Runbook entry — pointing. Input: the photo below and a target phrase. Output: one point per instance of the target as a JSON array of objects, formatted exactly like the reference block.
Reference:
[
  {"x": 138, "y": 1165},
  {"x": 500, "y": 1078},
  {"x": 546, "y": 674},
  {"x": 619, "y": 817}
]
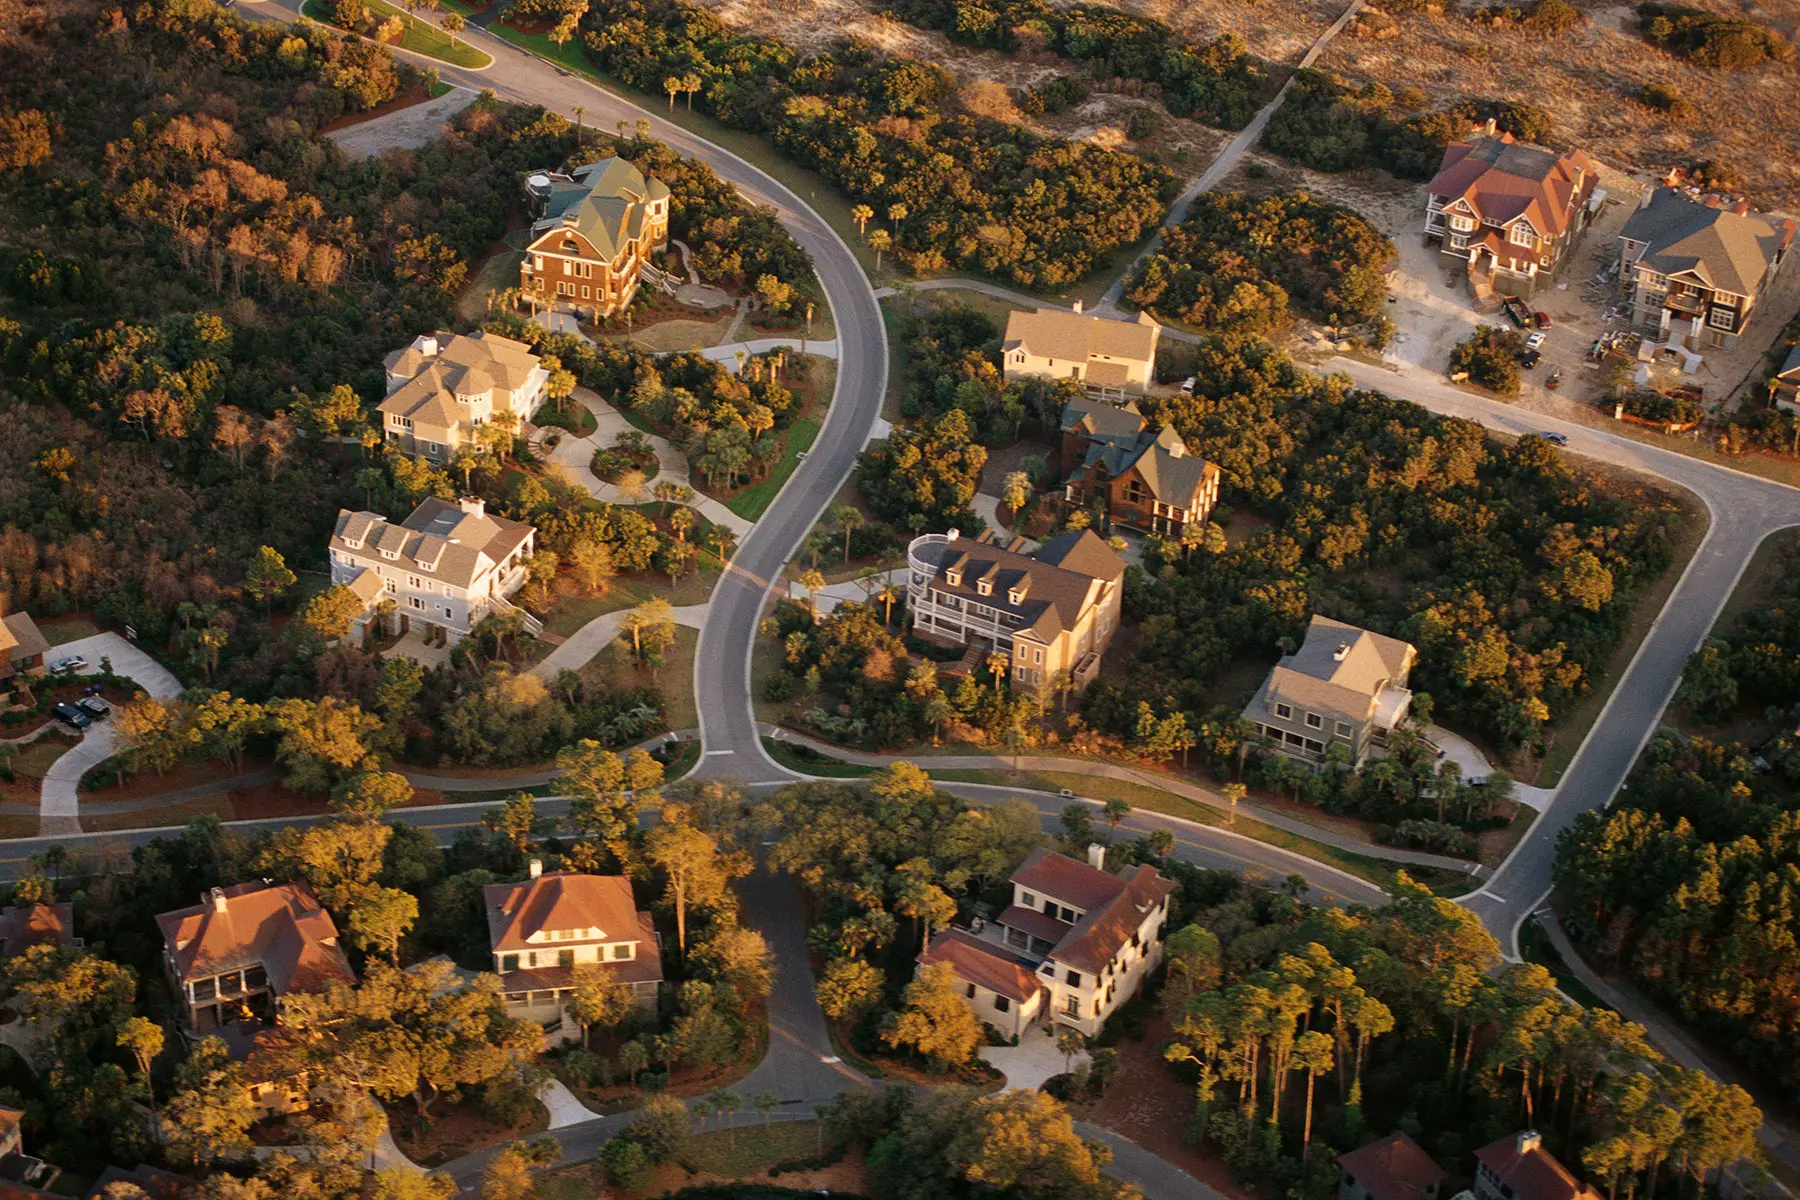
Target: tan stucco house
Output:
[
  {"x": 1344, "y": 687},
  {"x": 444, "y": 387},
  {"x": 1112, "y": 358}
]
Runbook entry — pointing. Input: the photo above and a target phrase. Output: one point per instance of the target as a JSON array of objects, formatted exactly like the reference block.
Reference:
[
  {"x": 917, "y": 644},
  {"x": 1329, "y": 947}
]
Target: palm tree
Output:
[
  {"x": 879, "y": 241},
  {"x": 812, "y": 583},
  {"x": 765, "y": 1103},
  {"x": 671, "y": 85},
  {"x": 1313, "y": 1053},
  {"x": 887, "y": 594},
  {"x": 452, "y": 24},
  {"x": 997, "y": 664},
  {"x": 862, "y": 214},
  {"x": 1069, "y": 1043},
  {"x": 897, "y": 214},
  {"x": 1234, "y": 792},
  {"x": 849, "y": 519},
  {"x": 580, "y": 111},
  {"x": 690, "y": 84}
]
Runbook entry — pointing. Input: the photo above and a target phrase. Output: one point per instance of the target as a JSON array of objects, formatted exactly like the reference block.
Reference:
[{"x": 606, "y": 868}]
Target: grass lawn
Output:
[
  {"x": 34, "y": 759},
  {"x": 765, "y": 664},
  {"x": 753, "y": 1147},
  {"x": 571, "y": 612},
  {"x": 685, "y": 761},
  {"x": 808, "y": 761},
  {"x": 69, "y": 629},
  {"x": 674, "y": 679},
  {"x": 153, "y": 818},
  {"x": 417, "y": 36},
  {"x": 18, "y": 827},
  {"x": 497, "y": 272},
  {"x": 753, "y": 500}
]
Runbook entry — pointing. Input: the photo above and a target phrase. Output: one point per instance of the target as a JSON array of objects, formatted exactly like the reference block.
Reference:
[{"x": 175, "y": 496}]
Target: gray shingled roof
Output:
[
  {"x": 1058, "y": 577},
  {"x": 1727, "y": 250}
]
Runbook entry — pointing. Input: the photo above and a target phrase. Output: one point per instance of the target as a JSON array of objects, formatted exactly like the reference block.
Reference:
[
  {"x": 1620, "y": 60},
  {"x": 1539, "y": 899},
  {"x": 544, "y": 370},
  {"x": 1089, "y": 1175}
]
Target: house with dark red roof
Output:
[
  {"x": 1394, "y": 1168},
  {"x": 1510, "y": 210},
  {"x": 1086, "y": 937},
  {"x": 541, "y": 929},
  {"x": 26, "y": 925},
  {"x": 236, "y": 953},
  {"x": 1519, "y": 1168}
]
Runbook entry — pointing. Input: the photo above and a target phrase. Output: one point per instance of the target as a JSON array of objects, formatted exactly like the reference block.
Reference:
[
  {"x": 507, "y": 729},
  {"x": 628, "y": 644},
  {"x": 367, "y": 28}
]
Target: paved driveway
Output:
[{"x": 59, "y": 807}]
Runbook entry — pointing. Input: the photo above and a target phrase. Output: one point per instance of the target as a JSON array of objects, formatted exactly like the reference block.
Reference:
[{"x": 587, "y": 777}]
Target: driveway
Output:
[
  {"x": 406, "y": 129},
  {"x": 59, "y": 805}
]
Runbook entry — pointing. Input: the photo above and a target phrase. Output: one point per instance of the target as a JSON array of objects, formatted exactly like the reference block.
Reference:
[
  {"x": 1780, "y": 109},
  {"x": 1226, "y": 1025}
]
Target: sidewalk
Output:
[{"x": 598, "y": 634}]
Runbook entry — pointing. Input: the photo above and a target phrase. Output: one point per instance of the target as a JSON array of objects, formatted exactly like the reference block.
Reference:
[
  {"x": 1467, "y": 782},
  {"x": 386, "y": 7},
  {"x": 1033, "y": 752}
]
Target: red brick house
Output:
[
  {"x": 595, "y": 232},
  {"x": 1147, "y": 480}
]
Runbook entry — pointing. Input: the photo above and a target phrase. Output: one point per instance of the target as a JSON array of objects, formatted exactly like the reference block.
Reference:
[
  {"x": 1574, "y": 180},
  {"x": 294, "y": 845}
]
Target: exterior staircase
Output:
[{"x": 506, "y": 608}]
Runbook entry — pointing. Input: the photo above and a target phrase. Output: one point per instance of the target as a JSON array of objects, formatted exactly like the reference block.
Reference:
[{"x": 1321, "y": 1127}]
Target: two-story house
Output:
[
  {"x": 22, "y": 647},
  {"x": 1344, "y": 687},
  {"x": 236, "y": 953},
  {"x": 444, "y": 387},
  {"x": 1086, "y": 937},
  {"x": 595, "y": 231},
  {"x": 1139, "y": 477},
  {"x": 1393, "y": 1168},
  {"x": 1519, "y": 1168},
  {"x": 1694, "y": 266},
  {"x": 1112, "y": 358},
  {"x": 540, "y": 930},
  {"x": 439, "y": 572},
  {"x": 1784, "y": 385},
  {"x": 1510, "y": 210},
  {"x": 1053, "y": 610}
]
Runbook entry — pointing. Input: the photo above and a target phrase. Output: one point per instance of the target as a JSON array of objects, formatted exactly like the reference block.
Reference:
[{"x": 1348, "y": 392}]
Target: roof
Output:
[
  {"x": 1724, "y": 248},
  {"x": 561, "y": 900},
  {"x": 454, "y": 543},
  {"x": 1532, "y": 1173},
  {"x": 983, "y": 964},
  {"x": 1097, "y": 938},
  {"x": 1062, "y": 878},
  {"x": 10, "y": 1118},
  {"x": 1113, "y": 906},
  {"x": 282, "y": 926},
  {"x": 1315, "y": 677},
  {"x": 477, "y": 361},
  {"x": 1061, "y": 580},
  {"x": 1120, "y": 439},
  {"x": 366, "y": 586},
  {"x": 603, "y": 201},
  {"x": 1791, "y": 363},
  {"x": 1098, "y": 419},
  {"x": 1503, "y": 180},
  {"x": 1029, "y": 920},
  {"x": 154, "y": 1181},
  {"x": 1077, "y": 337},
  {"x": 19, "y": 637},
  {"x": 28, "y": 925},
  {"x": 1394, "y": 1168}
]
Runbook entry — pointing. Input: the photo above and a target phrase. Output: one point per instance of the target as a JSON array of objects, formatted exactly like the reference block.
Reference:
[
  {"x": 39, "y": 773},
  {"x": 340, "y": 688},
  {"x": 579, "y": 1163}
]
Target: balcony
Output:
[{"x": 1691, "y": 303}]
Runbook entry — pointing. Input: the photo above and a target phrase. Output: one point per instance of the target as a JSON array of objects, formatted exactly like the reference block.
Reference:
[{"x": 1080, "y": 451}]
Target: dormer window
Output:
[
  {"x": 953, "y": 578},
  {"x": 353, "y": 545},
  {"x": 1015, "y": 596},
  {"x": 984, "y": 588},
  {"x": 389, "y": 555}
]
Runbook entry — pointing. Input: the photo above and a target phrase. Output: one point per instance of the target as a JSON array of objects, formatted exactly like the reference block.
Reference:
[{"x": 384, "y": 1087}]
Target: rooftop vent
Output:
[{"x": 1342, "y": 652}]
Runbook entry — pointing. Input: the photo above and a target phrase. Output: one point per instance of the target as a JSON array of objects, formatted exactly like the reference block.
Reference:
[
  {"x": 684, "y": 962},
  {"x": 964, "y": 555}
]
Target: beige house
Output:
[
  {"x": 1087, "y": 937},
  {"x": 22, "y": 647},
  {"x": 1113, "y": 358},
  {"x": 1053, "y": 610},
  {"x": 439, "y": 572},
  {"x": 596, "y": 230},
  {"x": 542, "y": 929},
  {"x": 444, "y": 387},
  {"x": 1344, "y": 687},
  {"x": 1695, "y": 265},
  {"x": 233, "y": 956}
]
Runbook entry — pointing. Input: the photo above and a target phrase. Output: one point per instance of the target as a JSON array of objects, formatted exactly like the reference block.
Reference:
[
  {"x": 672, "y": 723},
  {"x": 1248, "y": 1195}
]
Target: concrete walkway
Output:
[
  {"x": 389, "y": 1156},
  {"x": 727, "y": 352},
  {"x": 59, "y": 807},
  {"x": 1166, "y": 783},
  {"x": 598, "y": 634},
  {"x": 1031, "y": 1062},
  {"x": 575, "y": 456},
  {"x": 987, "y": 507},
  {"x": 859, "y": 591},
  {"x": 565, "y": 1109}
]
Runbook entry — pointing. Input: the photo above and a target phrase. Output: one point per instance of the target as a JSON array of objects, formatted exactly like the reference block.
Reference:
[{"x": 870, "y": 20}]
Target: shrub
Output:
[
  {"x": 1655, "y": 406},
  {"x": 1057, "y": 95},
  {"x": 1711, "y": 40},
  {"x": 1142, "y": 122},
  {"x": 1666, "y": 100},
  {"x": 1490, "y": 358},
  {"x": 1437, "y": 837}
]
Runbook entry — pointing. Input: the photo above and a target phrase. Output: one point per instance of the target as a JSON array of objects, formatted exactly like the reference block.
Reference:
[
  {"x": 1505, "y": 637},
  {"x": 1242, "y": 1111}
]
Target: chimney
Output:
[
  {"x": 475, "y": 506},
  {"x": 1529, "y": 1141},
  {"x": 1097, "y": 856},
  {"x": 952, "y": 535},
  {"x": 1076, "y": 308},
  {"x": 1491, "y": 128},
  {"x": 1341, "y": 653},
  {"x": 536, "y": 868},
  {"x": 217, "y": 896}
]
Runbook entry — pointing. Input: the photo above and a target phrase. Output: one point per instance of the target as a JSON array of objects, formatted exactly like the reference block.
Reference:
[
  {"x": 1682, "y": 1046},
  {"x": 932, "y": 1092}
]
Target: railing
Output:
[{"x": 505, "y": 608}]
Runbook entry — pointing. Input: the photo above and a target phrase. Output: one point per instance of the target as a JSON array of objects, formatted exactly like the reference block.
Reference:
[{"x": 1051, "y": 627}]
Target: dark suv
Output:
[{"x": 71, "y": 716}]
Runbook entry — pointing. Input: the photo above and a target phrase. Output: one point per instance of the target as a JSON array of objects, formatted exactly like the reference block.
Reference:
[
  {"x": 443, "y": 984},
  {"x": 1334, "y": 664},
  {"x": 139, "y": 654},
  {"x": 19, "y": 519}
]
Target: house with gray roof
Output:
[
  {"x": 1344, "y": 687},
  {"x": 445, "y": 387},
  {"x": 1784, "y": 385},
  {"x": 439, "y": 572},
  {"x": 1052, "y": 611},
  {"x": 1694, "y": 266},
  {"x": 596, "y": 228},
  {"x": 1135, "y": 475}
]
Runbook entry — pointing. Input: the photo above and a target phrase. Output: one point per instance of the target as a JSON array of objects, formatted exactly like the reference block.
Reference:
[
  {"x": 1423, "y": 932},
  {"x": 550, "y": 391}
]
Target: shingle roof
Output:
[
  {"x": 1791, "y": 363},
  {"x": 603, "y": 202},
  {"x": 1061, "y": 584},
  {"x": 1054, "y": 333},
  {"x": 1314, "y": 677},
  {"x": 1083, "y": 553},
  {"x": 19, "y": 637},
  {"x": 1098, "y": 419},
  {"x": 1394, "y": 1168},
  {"x": 560, "y": 900},
  {"x": 439, "y": 539},
  {"x": 1502, "y": 179},
  {"x": 983, "y": 964},
  {"x": 1726, "y": 250},
  {"x": 28, "y": 925},
  {"x": 1119, "y": 439},
  {"x": 1062, "y": 878},
  {"x": 282, "y": 926},
  {"x": 1534, "y": 1174},
  {"x": 1098, "y": 937}
]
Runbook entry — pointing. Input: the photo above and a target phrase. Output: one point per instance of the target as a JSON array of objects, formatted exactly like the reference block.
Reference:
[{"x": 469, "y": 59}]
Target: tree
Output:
[
  {"x": 209, "y": 1116},
  {"x": 880, "y": 241},
  {"x": 849, "y": 519},
  {"x": 591, "y": 561},
  {"x": 73, "y": 1000},
  {"x": 220, "y": 725},
  {"x": 143, "y": 1038},
  {"x": 371, "y": 795},
  {"x": 651, "y": 630},
  {"x": 1022, "y": 1143},
  {"x": 848, "y": 987},
  {"x": 934, "y": 1021},
  {"x": 322, "y": 741},
  {"x": 1116, "y": 809},
  {"x": 672, "y": 84},
  {"x": 1313, "y": 1053},
  {"x": 149, "y": 733},
  {"x": 1234, "y": 792},
  {"x": 267, "y": 576},
  {"x": 633, "y": 1058},
  {"x": 382, "y": 918},
  {"x": 888, "y": 593},
  {"x": 697, "y": 874},
  {"x": 862, "y": 214},
  {"x": 1193, "y": 956},
  {"x": 1015, "y": 490},
  {"x": 691, "y": 83},
  {"x": 452, "y": 24},
  {"x": 766, "y": 1103},
  {"x": 812, "y": 583},
  {"x": 508, "y": 1175},
  {"x": 599, "y": 997},
  {"x": 1069, "y": 1043},
  {"x": 516, "y": 821}
]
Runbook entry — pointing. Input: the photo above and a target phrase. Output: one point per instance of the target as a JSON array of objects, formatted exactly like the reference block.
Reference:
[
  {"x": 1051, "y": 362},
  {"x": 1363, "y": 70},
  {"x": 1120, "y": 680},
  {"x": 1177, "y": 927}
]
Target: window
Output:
[
  {"x": 1462, "y": 223},
  {"x": 1073, "y": 978},
  {"x": 255, "y": 978},
  {"x": 509, "y": 962},
  {"x": 565, "y": 958},
  {"x": 584, "y": 291},
  {"x": 1722, "y": 318},
  {"x": 449, "y": 613},
  {"x": 1028, "y": 899},
  {"x": 1520, "y": 235},
  {"x": 1343, "y": 729},
  {"x": 231, "y": 983},
  {"x": 417, "y": 603},
  {"x": 1002, "y": 1004},
  {"x": 1072, "y": 1006},
  {"x": 1068, "y": 914},
  {"x": 621, "y": 951},
  {"x": 412, "y": 581},
  {"x": 969, "y": 991},
  {"x": 1284, "y": 711},
  {"x": 1019, "y": 673},
  {"x": 1314, "y": 721},
  {"x": 205, "y": 989},
  {"x": 1016, "y": 938}
]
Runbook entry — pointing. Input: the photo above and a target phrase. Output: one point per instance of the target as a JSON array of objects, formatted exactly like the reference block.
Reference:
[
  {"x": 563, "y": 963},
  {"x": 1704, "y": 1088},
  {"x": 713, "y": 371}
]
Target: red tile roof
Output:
[
  {"x": 1099, "y": 936},
  {"x": 645, "y": 968},
  {"x": 1532, "y": 1172},
  {"x": 983, "y": 964},
  {"x": 31, "y": 924},
  {"x": 1501, "y": 179},
  {"x": 558, "y": 901},
  {"x": 1037, "y": 924},
  {"x": 1062, "y": 878},
  {"x": 1395, "y": 1168},
  {"x": 281, "y": 926}
]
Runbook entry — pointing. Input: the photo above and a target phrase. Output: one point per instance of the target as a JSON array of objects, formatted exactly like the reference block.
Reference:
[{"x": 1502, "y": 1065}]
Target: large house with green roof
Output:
[{"x": 595, "y": 231}]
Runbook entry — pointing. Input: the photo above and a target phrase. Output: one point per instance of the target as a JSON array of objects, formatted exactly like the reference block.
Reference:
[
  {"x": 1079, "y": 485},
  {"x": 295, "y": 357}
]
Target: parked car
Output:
[
  {"x": 71, "y": 716},
  {"x": 1555, "y": 439},
  {"x": 1531, "y": 358},
  {"x": 1543, "y": 320},
  {"x": 94, "y": 707},
  {"x": 1187, "y": 385},
  {"x": 1534, "y": 342},
  {"x": 70, "y": 665}
]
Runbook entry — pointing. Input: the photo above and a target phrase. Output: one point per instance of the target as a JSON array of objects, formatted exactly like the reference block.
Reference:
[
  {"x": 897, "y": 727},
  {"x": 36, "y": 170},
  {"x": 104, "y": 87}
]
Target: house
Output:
[
  {"x": 1694, "y": 266},
  {"x": 1344, "y": 687},
  {"x": 1512, "y": 211},
  {"x": 1394, "y": 1168},
  {"x": 274, "y": 1089},
  {"x": 236, "y": 953},
  {"x": 1138, "y": 477},
  {"x": 445, "y": 387},
  {"x": 114, "y": 1183},
  {"x": 1519, "y": 1168},
  {"x": 440, "y": 571},
  {"x": 1784, "y": 385},
  {"x": 1113, "y": 358},
  {"x": 1053, "y": 610},
  {"x": 541, "y": 929},
  {"x": 22, "y": 1177},
  {"x": 595, "y": 231},
  {"x": 22, "y": 647},
  {"x": 26, "y": 925},
  {"x": 1087, "y": 937}
]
